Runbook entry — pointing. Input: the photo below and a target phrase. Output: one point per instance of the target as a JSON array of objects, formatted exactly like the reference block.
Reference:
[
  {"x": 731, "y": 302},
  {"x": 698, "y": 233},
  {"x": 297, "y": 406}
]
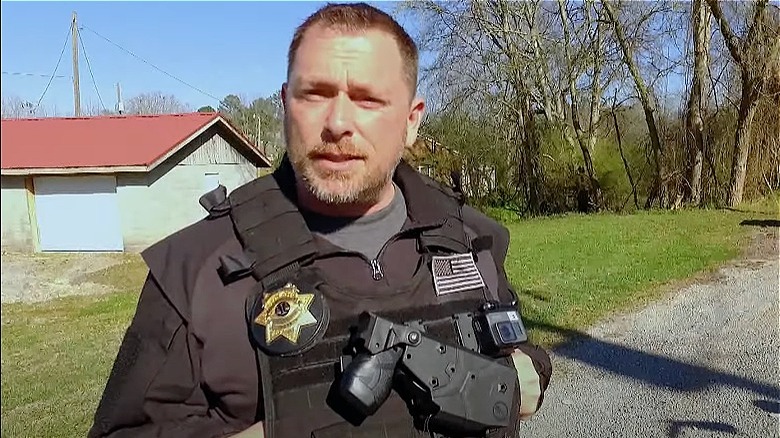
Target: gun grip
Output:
[{"x": 368, "y": 379}]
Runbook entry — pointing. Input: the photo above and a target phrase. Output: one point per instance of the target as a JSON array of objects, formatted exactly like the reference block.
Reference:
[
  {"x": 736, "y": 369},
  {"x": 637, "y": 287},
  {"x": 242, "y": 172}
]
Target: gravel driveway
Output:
[{"x": 701, "y": 363}]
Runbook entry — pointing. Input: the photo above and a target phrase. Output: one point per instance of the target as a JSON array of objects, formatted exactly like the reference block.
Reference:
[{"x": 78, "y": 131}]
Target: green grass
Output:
[
  {"x": 56, "y": 355},
  {"x": 570, "y": 272}
]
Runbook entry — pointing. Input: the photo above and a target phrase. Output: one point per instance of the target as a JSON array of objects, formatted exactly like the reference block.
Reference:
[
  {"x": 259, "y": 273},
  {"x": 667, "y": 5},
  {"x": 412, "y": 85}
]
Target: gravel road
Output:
[{"x": 701, "y": 363}]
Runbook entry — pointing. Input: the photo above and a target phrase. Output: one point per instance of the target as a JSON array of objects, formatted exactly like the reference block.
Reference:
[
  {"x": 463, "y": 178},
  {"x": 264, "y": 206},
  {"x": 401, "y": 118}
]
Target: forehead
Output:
[{"x": 333, "y": 54}]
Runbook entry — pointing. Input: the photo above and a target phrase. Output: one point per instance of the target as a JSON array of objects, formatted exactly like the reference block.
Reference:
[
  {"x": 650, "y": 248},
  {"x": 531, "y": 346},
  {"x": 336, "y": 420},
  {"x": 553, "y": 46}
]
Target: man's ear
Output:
[
  {"x": 284, "y": 96},
  {"x": 416, "y": 111}
]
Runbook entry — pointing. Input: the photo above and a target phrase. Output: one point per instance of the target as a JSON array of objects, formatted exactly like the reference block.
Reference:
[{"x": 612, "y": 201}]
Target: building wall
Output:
[
  {"x": 17, "y": 235},
  {"x": 155, "y": 205},
  {"x": 151, "y": 205}
]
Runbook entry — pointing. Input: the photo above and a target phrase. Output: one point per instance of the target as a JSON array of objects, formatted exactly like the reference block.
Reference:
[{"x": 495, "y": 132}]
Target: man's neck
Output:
[{"x": 310, "y": 202}]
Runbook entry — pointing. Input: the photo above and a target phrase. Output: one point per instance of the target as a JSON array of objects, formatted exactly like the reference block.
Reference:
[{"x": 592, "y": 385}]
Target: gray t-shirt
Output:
[{"x": 365, "y": 234}]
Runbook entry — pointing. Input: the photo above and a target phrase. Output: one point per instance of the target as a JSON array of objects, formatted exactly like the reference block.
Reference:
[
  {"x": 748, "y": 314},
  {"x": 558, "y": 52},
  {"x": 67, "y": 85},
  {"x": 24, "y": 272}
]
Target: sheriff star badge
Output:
[{"x": 285, "y": 312}]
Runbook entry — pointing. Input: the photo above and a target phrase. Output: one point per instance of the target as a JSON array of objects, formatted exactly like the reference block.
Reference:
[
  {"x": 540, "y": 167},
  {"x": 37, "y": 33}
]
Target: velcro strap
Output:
[
  {"x": 315, "y": 366},
  {"x": 482, "y": 243},
  {"x": 214, "y": 201},
  {"x": 234, "y": 266},
  {"x": 450, "y": 236},
  {"x": 277, "y": 278}
]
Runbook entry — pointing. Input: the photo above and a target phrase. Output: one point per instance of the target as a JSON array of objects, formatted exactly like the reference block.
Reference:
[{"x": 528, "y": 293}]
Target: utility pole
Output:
[
  {"x": 120, "y": 107},
  {"x": 257, "y": 138},
  {"x": 74, "y": 31}
]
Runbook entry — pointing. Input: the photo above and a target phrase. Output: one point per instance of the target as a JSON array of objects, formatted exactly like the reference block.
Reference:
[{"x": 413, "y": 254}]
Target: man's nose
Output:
[{"x": 340, "y": 121}]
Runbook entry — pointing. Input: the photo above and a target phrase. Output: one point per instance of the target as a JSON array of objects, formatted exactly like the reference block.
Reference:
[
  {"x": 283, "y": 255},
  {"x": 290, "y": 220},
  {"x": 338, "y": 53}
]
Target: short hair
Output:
[{"x": 355, "y": 17}]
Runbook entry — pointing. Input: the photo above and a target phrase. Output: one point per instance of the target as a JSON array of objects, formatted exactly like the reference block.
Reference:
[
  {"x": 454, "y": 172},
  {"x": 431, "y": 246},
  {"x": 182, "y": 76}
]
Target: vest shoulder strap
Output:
[
  {"x": 272, "y": 232},
  {"x": 269, "y": 226},
  {"x": 480, "y": 247}
]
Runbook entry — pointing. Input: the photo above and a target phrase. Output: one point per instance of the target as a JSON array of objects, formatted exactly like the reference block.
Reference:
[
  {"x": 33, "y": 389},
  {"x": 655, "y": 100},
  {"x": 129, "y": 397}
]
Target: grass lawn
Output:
[
  {"x": 570, "y": 271},
  {"x": 574, "y": 270}
]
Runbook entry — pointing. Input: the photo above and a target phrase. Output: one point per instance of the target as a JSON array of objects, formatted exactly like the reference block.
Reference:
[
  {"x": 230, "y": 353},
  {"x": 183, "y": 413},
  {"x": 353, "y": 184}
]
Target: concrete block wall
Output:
[
  {"x": 16, "y": 234},
  {"x": 170, "y": 203}
]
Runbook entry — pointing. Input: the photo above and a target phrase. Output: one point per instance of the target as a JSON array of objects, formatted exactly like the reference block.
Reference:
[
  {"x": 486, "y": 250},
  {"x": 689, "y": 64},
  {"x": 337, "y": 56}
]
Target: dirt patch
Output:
[
  {"x": 32, "y": 278},
  {"x": 759, "y": 247},
  {"x": 763, "y": 245}
]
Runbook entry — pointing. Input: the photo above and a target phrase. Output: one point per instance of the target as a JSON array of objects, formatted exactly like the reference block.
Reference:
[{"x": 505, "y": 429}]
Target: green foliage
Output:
[{"x": 260, "y": 120}]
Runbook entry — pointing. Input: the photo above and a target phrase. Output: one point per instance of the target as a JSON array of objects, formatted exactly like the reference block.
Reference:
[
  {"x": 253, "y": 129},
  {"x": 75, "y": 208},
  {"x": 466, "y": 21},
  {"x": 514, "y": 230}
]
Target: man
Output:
[{"x": 242, "y": 316}]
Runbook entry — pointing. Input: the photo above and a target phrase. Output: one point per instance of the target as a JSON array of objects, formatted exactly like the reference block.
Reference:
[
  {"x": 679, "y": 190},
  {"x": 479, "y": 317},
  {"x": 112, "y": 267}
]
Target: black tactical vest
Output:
[{"x": 298, "y": 395}]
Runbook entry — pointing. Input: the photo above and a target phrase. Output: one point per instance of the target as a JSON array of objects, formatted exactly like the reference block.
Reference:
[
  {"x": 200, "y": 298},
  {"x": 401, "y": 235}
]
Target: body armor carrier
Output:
[{"x": 298, "y": 378}]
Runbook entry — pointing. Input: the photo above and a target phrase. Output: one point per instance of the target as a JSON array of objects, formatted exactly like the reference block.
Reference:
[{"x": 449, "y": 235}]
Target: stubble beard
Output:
[{"x": 360, "y": 186}]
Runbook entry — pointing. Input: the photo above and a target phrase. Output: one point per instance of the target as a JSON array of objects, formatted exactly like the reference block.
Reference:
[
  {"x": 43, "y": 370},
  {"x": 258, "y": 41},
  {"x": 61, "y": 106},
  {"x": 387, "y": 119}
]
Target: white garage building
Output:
[{"x": 115, "y": 183}]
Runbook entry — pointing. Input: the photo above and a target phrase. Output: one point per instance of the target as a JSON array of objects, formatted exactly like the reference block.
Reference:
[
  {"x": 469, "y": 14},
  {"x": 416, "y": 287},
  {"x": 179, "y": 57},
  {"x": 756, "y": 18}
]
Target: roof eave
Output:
[{"x": 74, "y": 170}]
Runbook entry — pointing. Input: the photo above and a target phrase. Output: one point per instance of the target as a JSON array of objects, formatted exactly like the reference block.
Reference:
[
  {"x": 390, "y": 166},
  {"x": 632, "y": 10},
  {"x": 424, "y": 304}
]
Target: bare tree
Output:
[
  {"x": 753, "y": 54},
  {"x": 14, "y": 107},
  {"x": 155, "y": 103},
  {"x": 590, "y": 56},
  {"x": 700, "y": 17},
  {"x": 518, "y": 91},
  {"x": 481, "y": 77},
  {"x": 649, "y": 105}
]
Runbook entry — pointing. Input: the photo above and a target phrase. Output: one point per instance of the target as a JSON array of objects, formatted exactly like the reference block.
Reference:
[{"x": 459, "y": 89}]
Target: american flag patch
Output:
[{"x": 455, "y": 273}]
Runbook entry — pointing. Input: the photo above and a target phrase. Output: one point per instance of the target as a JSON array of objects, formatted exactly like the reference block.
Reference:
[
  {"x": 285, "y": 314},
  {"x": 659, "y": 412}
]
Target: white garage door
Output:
[{"x": 78, "y": 213}]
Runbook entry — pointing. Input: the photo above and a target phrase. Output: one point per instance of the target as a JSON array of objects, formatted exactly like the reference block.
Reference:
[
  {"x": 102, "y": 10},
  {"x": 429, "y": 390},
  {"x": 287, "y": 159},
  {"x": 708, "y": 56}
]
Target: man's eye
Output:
[
  {"x": 369, "y": 101},
  {"x": 314, "y": 94}
]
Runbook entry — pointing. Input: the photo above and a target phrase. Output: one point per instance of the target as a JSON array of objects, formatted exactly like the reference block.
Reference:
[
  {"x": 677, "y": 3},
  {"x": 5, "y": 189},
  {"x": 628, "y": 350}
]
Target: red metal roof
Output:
[{"x": 96, "y": 142}]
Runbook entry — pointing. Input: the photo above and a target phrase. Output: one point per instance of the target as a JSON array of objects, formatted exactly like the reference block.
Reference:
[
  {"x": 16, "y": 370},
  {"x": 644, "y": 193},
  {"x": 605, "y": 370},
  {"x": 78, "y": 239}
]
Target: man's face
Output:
[{"x": 348, "y": 114}]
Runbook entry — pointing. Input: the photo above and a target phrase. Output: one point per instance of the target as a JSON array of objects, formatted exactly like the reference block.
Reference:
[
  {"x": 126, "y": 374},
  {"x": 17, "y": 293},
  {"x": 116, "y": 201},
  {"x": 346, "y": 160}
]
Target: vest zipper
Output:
[
  {"x": 377, "y": 273},
  {"x": 376, "y": 267}
]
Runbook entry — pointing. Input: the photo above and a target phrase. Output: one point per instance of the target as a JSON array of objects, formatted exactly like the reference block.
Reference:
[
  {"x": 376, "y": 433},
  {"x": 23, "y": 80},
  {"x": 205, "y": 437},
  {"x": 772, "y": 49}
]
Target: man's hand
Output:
[
  {"x": 254, "y": 431},
  {"x": 530, "y": 386}
]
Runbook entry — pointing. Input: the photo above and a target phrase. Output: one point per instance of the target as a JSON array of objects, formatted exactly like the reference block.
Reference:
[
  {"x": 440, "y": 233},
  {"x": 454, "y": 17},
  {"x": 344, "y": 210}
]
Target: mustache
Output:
[{"x": 343, "y": 148}]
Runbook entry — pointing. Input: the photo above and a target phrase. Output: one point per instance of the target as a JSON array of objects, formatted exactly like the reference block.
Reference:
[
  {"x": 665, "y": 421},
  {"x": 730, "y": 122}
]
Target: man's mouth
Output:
[{"x": 335, "y": 157}]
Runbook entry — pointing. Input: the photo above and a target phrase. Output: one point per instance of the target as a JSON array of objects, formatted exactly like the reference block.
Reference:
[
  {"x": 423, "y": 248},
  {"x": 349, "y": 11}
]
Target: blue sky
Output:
[{"x": 218, "y": 47}]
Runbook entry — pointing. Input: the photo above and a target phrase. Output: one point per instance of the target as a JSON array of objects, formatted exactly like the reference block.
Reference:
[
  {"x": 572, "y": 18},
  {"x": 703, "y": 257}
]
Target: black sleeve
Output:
[
  {"x": 486, "y": 226},
  {"x": 154, "y": 388},
  {"x": 500, "y": 248}
]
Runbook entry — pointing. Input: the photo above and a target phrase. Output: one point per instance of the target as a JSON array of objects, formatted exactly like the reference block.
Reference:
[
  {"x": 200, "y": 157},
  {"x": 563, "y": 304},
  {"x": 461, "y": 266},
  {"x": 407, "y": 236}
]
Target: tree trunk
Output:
[
  {"x": 694, "y": 121},
  {"x": 623, "y": 157},
  {"x": 584, "y": 140},
  {"x": 751, "y": 64},
  {"x": 533, "y": 169},
  {"x": 595, "y": 92},
  {"x": 658, "y": 156},
  {"x": 747, "y": 109},
  {"x": 648, "y": 107}
]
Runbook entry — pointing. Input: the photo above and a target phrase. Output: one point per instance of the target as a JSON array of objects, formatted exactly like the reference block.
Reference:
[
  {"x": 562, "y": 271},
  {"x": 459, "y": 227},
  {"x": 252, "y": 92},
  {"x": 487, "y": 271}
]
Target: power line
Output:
[
  {"x": 89, "y": 66},
  {"x": 152, "y": 65},
  {"x": 39, "y": 75},
  {"x": 67, "y": 36}
]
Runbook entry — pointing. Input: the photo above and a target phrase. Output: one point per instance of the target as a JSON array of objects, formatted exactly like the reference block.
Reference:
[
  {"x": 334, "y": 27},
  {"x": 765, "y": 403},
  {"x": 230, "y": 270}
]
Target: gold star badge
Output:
[{"x": 285, "y": 312}]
